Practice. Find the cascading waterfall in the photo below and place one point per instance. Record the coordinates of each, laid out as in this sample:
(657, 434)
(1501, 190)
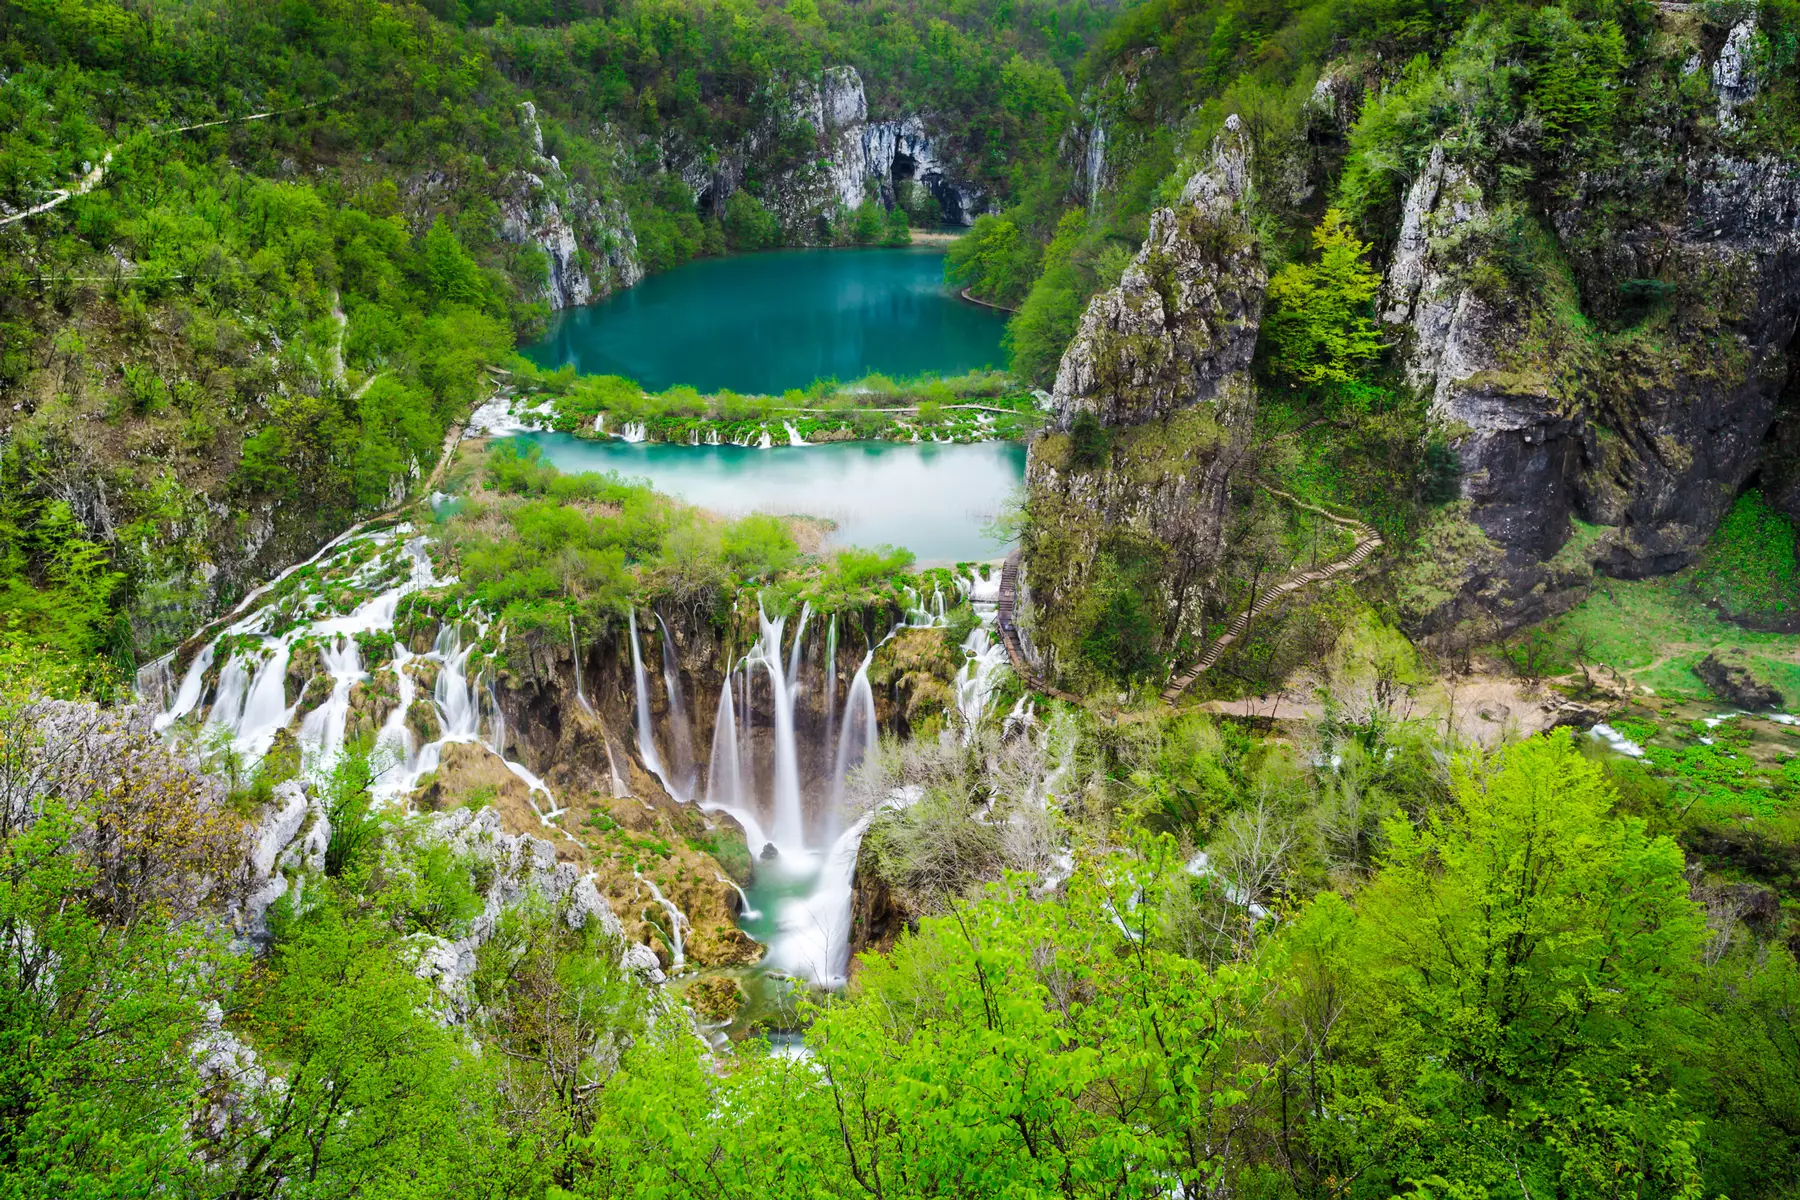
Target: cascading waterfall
(831, 679)
(322, 730)
(677, 923)
(193, 684)
(646, 735)
(575, 653)
(250, 706)
(859, 736)
(726, 790)
(679, 732)
(789, 819)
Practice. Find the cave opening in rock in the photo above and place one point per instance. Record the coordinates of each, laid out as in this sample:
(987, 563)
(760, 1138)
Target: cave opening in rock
(903, 168)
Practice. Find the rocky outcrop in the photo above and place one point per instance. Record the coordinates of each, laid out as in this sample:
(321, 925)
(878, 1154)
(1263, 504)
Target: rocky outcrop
(587, 241)
(855, 158)
(1734, 679)
(1181, 327)
(1153, 405)
(1626, 370)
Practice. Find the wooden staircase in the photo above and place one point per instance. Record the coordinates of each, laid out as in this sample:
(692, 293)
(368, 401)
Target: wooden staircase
(1367, 542)
(1009, 632)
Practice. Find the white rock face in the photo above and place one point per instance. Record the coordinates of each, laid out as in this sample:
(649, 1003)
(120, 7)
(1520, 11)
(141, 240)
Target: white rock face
(522, 865)
(1734, 80)
(862, 157)
(1421, 291)
(547, 210)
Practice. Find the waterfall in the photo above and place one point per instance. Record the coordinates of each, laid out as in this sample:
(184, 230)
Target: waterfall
(575, 650)
(191, 686)
(831, 679)
(859, 736)
(394, 734)
(975, 679)
(813, 934)
(228, 704)
(680, 733)
(746, 912)
(678, 953)
(456, 699)
(724, 778)
(789, 818)
(323, 729)
(725, 788)
(793, 668)
(646, 736)
(251, 707)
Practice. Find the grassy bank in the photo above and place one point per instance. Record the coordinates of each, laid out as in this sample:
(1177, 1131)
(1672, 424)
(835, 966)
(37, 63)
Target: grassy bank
(978, 406)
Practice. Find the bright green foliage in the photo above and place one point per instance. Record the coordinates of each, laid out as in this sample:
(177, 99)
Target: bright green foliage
(1748, 569)
(1047, 319)
(1517, 969)
(1318, 329)
(1023, 1048)
(1573, 69)
(94, 1079)
(748, 225)
(993, 260)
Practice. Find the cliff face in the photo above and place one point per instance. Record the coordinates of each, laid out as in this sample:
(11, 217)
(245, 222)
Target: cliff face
(1629, 376)
(853, 157)
(1154, 404)
(587, 241)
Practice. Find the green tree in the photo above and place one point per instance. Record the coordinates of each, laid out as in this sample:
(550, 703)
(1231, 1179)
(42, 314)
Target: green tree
(1318, 327)
(452, 275)
(1512, 984)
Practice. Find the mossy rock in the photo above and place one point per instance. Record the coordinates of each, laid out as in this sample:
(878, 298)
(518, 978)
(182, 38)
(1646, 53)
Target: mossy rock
(422, 719)
(1736, 678)
(715, 997)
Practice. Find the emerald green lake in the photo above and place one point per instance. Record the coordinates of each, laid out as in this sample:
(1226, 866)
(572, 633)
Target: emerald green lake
(768, 322)
(932, 499)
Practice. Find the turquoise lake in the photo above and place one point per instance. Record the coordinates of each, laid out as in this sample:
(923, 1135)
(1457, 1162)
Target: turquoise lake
(932, 499)
(772, 321)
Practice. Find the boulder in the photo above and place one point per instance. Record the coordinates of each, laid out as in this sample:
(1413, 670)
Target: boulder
(1734, 678)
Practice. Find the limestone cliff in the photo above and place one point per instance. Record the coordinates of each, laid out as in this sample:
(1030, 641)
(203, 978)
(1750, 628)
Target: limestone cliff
(851, 158)
(1617, 356)
(1154, 403)
(587, 242)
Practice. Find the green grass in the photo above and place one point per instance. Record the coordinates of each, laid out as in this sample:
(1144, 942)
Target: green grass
(1748, 568)
(1654, 631)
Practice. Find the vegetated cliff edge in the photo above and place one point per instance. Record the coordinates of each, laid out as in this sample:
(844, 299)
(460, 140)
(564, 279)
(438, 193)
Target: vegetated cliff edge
(1599, 321)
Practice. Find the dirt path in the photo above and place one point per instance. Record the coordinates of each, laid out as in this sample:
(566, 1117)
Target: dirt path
(986, 303)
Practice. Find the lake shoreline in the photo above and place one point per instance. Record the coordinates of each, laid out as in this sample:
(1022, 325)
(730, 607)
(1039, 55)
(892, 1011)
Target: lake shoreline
(775, 321)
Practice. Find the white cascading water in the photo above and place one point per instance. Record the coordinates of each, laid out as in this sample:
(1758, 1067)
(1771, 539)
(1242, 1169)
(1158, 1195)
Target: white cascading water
(788, 830)
(857, 739)
(322, 729)
(681, 736)
(646, 734)
(727, 790)
(192, 685)
(250, 703)
(575, 652)
(678, 922)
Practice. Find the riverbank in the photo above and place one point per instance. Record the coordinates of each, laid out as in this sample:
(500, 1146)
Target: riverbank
(980, 406)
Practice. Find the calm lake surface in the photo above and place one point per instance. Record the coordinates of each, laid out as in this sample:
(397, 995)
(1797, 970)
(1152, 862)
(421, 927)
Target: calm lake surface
(932, 499)
(778, 320)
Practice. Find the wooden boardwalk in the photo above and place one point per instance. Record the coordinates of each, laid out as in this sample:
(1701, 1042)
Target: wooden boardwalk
(1009, 632)
(1367, 542)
